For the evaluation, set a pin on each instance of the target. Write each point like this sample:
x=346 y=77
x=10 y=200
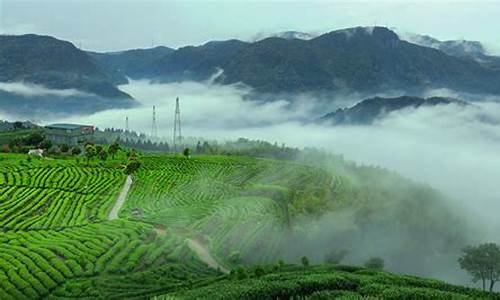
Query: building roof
x=66 y=126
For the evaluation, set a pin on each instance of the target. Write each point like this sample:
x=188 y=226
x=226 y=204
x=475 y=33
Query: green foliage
x=241 y=273
x=376 y=263
x=335 y=256
x=235 y=257
x=56 y=241
x=76 y=151
x=186 y=152
x=304 y=261
x=482 y=262
x=114 y=148
x=132 y=166
x=45 y=144
x=90 y=152
x=64 y=148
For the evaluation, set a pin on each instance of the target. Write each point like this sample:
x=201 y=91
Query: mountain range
x=364 y=60
x=371 y=110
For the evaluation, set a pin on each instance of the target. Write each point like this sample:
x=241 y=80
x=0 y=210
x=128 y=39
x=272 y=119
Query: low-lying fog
x=453 y=148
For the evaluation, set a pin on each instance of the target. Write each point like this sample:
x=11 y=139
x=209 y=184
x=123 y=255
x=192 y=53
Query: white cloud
x=34 y=90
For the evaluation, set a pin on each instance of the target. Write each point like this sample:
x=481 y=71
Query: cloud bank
x=36 y=90
x=452 y=148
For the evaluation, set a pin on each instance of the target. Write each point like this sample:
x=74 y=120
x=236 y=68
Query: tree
x=241 y=273
x=64 y=148
x=103 y=154
x=90 y=152
x=45 y=145
x=305 y=261
x=375 y=263
x=235 y=257
x=34 y=139
x=335 y=256
x=186 y=152
x=113 y=149
x=482 y=262
x=18 y=125
x=132 y=166
x=259 y=271
x=76 y=151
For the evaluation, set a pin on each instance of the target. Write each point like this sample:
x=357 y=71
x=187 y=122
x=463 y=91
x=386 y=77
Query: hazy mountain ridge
x=44 y=62
x=130 y=63
x=370 y=110
x=367 y=59
x=460 y=48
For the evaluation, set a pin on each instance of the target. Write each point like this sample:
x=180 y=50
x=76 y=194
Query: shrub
x=376 y=263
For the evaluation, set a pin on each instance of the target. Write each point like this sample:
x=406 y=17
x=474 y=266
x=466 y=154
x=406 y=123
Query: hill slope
x=368 y=111
x=136 y=63
x=43 y=62
x=57 y=241
x=327 y=282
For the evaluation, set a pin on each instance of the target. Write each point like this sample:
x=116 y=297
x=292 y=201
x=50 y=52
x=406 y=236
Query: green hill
x=185 y=218
x=325 y=282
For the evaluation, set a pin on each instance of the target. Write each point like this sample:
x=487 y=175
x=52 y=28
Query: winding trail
x=205 y=256
x=113 y=214
x=193 y=244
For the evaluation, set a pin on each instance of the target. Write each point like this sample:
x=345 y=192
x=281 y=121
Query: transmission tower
x=154 y=130
x=177 y=126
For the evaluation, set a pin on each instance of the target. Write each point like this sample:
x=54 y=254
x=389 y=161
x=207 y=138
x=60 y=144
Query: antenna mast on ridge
x=177 y=126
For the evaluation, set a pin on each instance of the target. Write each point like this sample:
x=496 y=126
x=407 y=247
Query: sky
x=110 y=25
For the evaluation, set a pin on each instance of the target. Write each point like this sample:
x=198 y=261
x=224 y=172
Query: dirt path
x=205 y=256
x=113 y=214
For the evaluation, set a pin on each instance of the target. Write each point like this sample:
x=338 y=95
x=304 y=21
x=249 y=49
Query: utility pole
x=177 y=126
x=154 y=130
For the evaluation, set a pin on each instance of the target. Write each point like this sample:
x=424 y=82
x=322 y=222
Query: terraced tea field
x=181 y=220
x=56 y=240
x=231 y=203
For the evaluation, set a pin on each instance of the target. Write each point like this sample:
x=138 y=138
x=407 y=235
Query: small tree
x=482 y=263
x=259 y=271
x=90 y=152
x=241 y=273
x=375 y=263
x=235 y=257
x=64 y=148
x=18 y=125
x=45 y=145
x=132 y=166
x=103 y=154
x=305 y=261
x=186 y=152
x=113 y=149
x=335 y=256
x=76 y=151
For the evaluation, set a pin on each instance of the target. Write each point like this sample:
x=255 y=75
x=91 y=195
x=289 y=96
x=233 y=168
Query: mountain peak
x=382 y=36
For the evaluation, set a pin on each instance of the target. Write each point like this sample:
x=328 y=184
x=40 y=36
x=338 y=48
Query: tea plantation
x=57 y=242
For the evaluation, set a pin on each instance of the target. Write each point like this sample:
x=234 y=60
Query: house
x=69 y=133
x=36 y=152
